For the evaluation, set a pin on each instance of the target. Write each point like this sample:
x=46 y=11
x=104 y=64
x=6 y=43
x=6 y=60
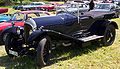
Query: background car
x=50 y=6
x=107 y=8
x=3 y=10
x=4 y=17
x=28 y=7
x=18 y=19
x=72 y=8
x=46 y=7
x=65 y=5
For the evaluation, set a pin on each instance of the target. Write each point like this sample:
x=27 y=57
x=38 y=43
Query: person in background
x=91 y=5
x=112 y=1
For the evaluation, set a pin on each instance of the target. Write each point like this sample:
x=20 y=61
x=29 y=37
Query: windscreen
x=103 y=6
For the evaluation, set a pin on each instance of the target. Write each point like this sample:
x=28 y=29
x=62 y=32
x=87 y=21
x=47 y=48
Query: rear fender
x=113 y=23
x=106 y=23
x=99 y=26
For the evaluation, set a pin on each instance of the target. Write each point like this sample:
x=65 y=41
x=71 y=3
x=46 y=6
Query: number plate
x=13 y=53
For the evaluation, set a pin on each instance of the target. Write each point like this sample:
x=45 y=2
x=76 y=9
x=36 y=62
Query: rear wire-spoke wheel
x=12 y=43
x=43 y=51
x=109 y=35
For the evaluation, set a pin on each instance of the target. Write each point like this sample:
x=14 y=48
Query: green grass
x=74 y=57
x=6 y=6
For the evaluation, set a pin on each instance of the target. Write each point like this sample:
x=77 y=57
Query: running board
x=93 y=37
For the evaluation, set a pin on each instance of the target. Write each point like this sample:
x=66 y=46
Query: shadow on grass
x=65 y=53
x=19 y=63
x=59 y=54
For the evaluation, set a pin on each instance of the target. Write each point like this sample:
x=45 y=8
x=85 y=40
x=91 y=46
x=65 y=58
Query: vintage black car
x=38 y=34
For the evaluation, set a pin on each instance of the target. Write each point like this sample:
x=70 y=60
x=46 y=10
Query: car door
x=71 y=24
x=62 y=23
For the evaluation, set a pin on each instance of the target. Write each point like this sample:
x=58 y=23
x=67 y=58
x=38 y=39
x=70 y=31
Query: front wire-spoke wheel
x=43 y=51
x=13 y=45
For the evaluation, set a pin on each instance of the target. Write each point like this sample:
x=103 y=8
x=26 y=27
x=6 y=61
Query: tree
x=5 y=2
x=20 y=1
x=1 y=1
x=8 y=2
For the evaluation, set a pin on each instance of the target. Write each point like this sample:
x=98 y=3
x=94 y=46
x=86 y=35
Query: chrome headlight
x=30 y=32
x=18 y=30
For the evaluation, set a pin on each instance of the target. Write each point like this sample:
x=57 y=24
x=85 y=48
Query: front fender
x=3 y=33
x=99 y=26
x=36 y=35
x=10 y=29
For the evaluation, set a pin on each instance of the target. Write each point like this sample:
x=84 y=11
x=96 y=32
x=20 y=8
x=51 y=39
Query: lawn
x=74 y=57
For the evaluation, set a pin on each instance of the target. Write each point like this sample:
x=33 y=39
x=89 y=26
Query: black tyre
x=12 y=43
x=43 y=51
x=109 y=35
